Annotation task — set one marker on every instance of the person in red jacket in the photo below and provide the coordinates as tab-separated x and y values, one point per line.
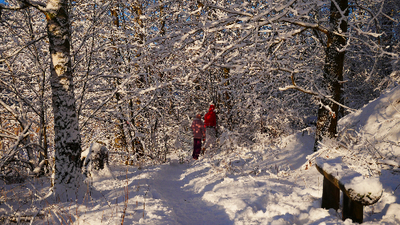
210	122
198	133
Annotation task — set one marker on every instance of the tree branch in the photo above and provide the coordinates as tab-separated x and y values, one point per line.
13	8
10	110
230	11
308	25
22	48
294	86
299	89
10	155
9	136
25	4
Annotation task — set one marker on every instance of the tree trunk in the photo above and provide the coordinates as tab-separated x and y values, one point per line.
67	173
332	73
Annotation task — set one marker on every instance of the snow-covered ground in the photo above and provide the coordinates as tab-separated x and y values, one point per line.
258	185
278	189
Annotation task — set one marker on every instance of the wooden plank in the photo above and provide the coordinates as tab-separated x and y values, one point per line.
330	195
352	209
368	199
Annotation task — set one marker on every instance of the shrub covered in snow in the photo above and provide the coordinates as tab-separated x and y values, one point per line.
94	158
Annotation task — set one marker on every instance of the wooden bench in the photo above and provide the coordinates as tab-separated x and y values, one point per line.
357	190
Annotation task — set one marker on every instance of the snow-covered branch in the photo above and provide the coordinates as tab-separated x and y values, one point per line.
16	52
8	136
299	89
24	4
230	11
9	109
14	150
295	87
308	25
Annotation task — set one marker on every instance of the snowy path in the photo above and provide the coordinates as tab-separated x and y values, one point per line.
199	193
209	192
187	206
246	187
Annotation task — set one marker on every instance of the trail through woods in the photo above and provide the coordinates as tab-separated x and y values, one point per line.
171	185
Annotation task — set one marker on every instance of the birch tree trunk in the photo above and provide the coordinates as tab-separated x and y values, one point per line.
332	72
67	173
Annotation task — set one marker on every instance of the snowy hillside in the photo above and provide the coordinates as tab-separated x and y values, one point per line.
258	185
375	128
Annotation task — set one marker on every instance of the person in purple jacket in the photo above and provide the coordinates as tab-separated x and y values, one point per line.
198	134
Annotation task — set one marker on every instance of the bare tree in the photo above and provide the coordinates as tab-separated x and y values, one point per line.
328	111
